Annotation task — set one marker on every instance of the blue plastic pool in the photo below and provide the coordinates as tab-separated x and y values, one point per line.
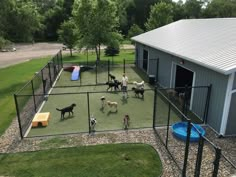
180	131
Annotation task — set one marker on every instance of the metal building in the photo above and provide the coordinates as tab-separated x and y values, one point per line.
201	52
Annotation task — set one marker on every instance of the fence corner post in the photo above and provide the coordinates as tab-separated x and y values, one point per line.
216	161
186	149
124	65
88	112
18	116
154	107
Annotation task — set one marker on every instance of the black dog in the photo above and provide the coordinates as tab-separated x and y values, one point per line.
138	91
67	109
114	85
112	76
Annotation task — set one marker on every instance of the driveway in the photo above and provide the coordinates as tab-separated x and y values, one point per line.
25	52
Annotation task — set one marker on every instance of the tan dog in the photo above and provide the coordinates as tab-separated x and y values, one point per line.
171	92
112	104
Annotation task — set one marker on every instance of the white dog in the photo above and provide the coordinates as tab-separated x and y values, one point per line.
139	84
112	104
93	123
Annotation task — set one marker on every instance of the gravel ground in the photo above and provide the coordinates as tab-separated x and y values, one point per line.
10	142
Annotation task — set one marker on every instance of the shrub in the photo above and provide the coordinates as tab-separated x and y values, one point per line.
112	51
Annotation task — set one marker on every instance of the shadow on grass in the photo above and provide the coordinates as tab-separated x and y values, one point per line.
112	112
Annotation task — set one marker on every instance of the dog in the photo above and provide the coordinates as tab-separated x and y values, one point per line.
138	92
112	104
139	84
68	109
112	76
114	85
172	92
126	121
103	101
93	123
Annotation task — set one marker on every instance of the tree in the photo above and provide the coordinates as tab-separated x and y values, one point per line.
97	22
225	8
122	7
138	12
19	20
160	15
193	8
134	31
68	35
178	11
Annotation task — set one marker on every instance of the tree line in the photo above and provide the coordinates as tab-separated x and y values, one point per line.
91	23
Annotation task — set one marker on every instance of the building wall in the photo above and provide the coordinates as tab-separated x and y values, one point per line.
234	84
203	77
231	124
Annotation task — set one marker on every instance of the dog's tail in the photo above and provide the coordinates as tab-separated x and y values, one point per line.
58	109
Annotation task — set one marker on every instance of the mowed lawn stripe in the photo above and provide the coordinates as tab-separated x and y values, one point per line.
113	160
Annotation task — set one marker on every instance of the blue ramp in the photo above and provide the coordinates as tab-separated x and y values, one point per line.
75	74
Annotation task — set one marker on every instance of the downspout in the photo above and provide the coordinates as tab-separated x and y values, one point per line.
227	102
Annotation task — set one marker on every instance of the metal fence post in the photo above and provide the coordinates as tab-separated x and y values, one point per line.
61	59
87	56
157	69
168	124
58	62
207	103
96	72
184	108
108	62
216	162
32	85
88	113
44	83
124	66
199	156
154	108
50	76
18	115
186	149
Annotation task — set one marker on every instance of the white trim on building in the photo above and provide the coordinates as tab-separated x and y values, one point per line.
227	102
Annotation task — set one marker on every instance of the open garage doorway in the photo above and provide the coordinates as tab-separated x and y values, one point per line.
184	77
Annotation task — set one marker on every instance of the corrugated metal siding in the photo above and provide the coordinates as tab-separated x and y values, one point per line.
234	84
203	77
230	129
139	57
207	42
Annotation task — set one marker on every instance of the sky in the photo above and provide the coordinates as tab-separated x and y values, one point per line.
178	0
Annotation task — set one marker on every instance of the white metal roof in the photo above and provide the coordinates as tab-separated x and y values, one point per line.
207	42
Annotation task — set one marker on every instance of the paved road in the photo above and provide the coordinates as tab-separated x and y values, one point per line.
25	52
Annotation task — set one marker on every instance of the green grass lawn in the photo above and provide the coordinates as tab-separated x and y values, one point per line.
114	160
82	57
12	79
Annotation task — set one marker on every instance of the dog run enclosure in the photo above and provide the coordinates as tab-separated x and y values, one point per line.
52	88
